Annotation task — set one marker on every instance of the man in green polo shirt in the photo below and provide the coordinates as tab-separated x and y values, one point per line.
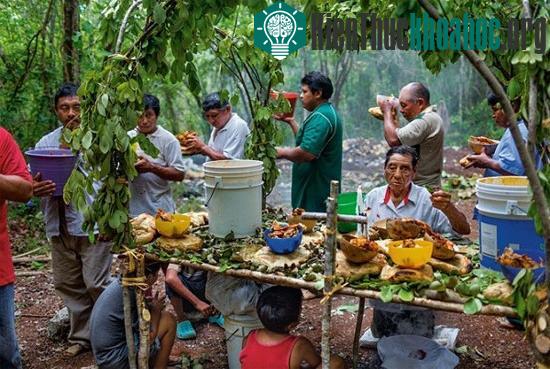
317	156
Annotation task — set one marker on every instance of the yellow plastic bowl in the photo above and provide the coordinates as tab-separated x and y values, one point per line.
409	257
174	229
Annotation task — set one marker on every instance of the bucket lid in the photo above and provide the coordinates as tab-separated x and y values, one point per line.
508	181
233	164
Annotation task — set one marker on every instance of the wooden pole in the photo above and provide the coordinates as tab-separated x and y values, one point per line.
128	327
341	218
454	307
358	324
144	319
330	252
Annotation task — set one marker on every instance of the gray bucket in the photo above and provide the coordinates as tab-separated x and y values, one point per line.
233	196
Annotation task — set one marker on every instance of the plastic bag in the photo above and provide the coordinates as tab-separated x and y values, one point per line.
233	295
414	352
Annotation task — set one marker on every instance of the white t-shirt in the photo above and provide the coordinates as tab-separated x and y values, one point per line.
231	138
148	191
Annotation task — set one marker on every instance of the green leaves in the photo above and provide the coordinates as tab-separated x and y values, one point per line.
472	306
147	146
159	14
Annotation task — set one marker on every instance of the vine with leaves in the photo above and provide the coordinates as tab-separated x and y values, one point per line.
171	34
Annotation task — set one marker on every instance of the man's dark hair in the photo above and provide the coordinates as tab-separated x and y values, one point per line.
317	81
151	102
493	99
213	101
278	307
402	150
419	91
66	89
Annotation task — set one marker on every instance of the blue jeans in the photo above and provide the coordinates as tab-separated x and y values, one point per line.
9	350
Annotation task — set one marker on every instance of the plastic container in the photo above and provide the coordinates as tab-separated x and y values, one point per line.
347	205
283	245
54	164
411	257
237	328
233	196
292	97
503	220
174	229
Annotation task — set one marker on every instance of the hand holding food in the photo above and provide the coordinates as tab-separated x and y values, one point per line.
441	200
188	140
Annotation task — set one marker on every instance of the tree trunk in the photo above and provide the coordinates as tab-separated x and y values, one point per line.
71	25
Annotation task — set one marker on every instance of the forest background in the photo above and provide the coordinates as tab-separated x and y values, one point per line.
37	54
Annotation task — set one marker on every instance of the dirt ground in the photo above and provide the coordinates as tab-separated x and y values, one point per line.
497	347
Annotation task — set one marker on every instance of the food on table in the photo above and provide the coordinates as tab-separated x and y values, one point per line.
281	231
404	228
465	162
408	228
296	217
459	264
396	274
510	258
353	271
443	248
187	243
410	253
477	144
143	228
198	218
501	291
183	138
172	225
378	231
357	249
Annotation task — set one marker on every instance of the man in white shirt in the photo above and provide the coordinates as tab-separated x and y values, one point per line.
150	190
229	134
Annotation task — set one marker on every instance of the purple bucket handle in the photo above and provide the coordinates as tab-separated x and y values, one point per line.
54	164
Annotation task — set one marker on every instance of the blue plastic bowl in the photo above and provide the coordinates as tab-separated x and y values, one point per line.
283	245
511	272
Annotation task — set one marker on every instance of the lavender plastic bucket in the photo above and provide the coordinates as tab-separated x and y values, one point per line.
55	165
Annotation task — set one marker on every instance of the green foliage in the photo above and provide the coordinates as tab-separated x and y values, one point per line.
526	303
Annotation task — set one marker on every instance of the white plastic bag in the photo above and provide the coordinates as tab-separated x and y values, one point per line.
414	352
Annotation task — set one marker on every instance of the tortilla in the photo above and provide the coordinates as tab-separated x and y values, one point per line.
459	264
346	269
396	274
188	243
262	255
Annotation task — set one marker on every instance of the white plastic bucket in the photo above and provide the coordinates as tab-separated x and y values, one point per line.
506	195
237	328
233	196
503	221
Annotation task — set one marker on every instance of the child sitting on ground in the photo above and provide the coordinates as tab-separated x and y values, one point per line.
273	347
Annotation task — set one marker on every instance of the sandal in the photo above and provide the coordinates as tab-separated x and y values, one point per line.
185	330
216	319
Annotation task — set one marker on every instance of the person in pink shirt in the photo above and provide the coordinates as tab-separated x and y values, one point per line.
273	347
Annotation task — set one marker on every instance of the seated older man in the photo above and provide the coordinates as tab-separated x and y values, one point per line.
401	198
